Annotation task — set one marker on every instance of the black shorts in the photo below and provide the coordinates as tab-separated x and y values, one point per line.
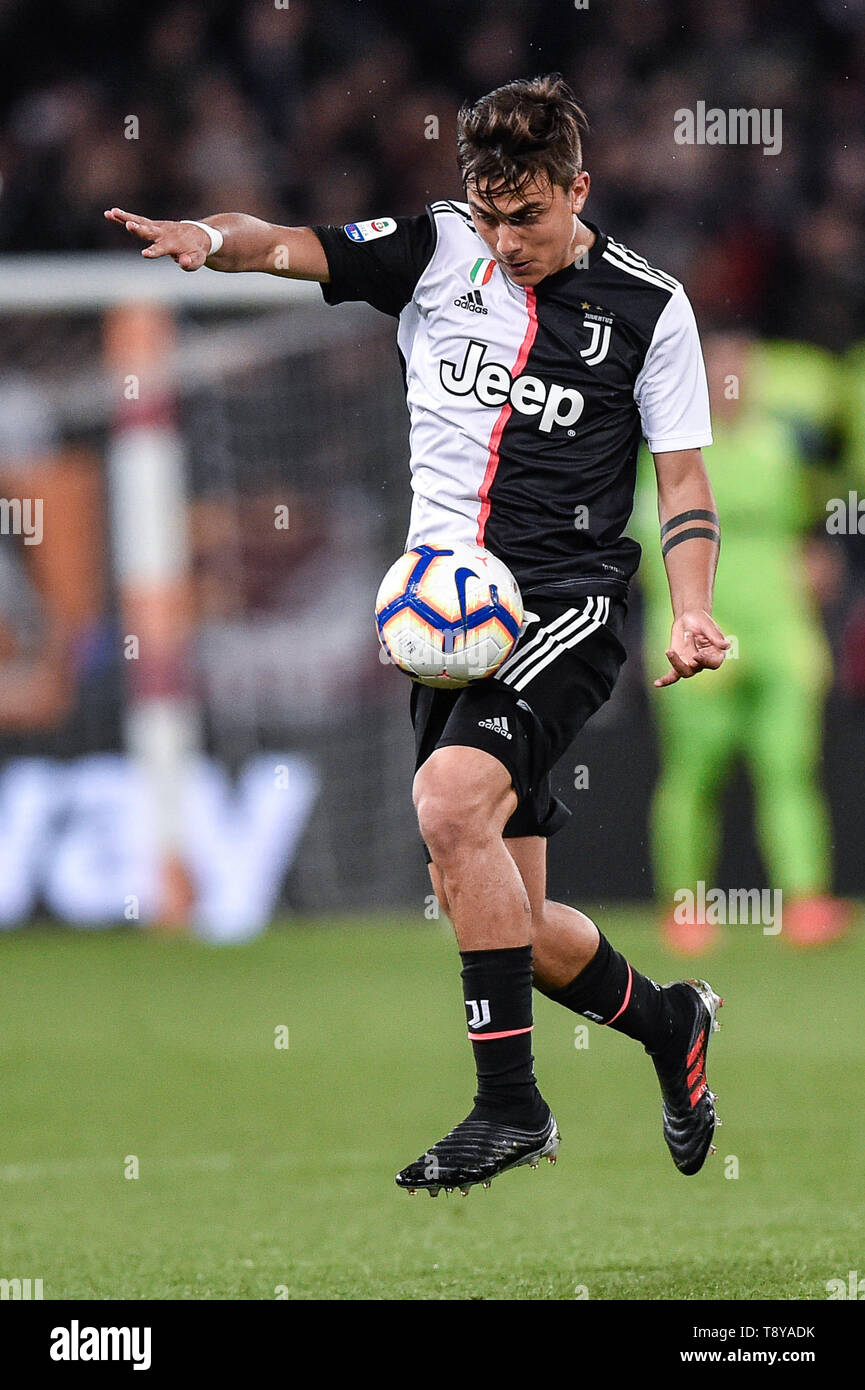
563	668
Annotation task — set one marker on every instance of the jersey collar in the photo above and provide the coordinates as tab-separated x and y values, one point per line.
596	251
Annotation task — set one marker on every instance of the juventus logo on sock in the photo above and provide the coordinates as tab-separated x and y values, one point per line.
478	1016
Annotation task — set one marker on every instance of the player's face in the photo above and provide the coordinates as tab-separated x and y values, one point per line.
534	233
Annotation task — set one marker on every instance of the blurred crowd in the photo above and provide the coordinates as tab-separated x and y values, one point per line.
320	110
307	111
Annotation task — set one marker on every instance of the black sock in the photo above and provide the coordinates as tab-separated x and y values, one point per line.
609	991
497	987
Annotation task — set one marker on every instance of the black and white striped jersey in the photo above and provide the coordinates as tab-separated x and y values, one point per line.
527	405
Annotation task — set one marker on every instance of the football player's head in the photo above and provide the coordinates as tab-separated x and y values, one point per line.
520	154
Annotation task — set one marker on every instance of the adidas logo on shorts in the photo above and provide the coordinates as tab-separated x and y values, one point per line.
471	301
498	726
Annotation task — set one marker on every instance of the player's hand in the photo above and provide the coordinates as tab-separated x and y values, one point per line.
696	643
186	244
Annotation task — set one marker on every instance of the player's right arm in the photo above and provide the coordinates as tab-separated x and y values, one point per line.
248	244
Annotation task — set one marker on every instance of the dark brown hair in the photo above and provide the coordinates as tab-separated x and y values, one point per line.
528	127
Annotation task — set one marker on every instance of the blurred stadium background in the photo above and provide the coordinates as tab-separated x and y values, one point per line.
194	722
265	399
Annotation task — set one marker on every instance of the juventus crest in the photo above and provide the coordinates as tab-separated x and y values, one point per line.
600	326
479	1012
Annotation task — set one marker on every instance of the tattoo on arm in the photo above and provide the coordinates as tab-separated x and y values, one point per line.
695	515
692	532
695	533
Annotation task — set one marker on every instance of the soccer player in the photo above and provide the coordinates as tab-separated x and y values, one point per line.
765	707
536	352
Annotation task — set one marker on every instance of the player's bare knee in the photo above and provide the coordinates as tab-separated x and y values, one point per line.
449	825
459	806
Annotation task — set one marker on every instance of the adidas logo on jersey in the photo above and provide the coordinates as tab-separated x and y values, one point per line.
471	301
498	726
492	384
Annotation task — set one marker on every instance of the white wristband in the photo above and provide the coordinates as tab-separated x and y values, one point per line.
216	237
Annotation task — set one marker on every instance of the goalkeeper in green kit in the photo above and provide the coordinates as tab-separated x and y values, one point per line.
770	403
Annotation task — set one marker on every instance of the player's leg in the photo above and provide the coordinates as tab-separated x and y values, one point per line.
790	810
464	798
525	719
564	939
567	674
576	966
700	731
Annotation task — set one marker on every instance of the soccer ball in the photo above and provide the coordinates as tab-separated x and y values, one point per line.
448	615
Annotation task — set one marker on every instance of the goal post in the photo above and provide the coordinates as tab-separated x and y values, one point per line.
252	446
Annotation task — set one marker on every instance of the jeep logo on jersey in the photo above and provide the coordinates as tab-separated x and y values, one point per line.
493	385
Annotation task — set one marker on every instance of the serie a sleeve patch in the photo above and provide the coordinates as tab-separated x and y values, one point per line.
369	231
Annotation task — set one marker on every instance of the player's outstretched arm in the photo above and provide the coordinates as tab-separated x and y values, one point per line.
690	539
247	244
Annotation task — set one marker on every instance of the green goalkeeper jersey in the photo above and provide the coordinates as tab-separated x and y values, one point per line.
768	474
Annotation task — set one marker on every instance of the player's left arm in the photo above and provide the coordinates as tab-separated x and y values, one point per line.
690	540
672	396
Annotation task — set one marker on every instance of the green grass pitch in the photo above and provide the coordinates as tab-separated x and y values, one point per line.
267	1171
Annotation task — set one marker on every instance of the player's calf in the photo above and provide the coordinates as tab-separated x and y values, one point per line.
674	1024
609	991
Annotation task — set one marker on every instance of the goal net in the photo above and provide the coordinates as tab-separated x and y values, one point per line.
195	724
